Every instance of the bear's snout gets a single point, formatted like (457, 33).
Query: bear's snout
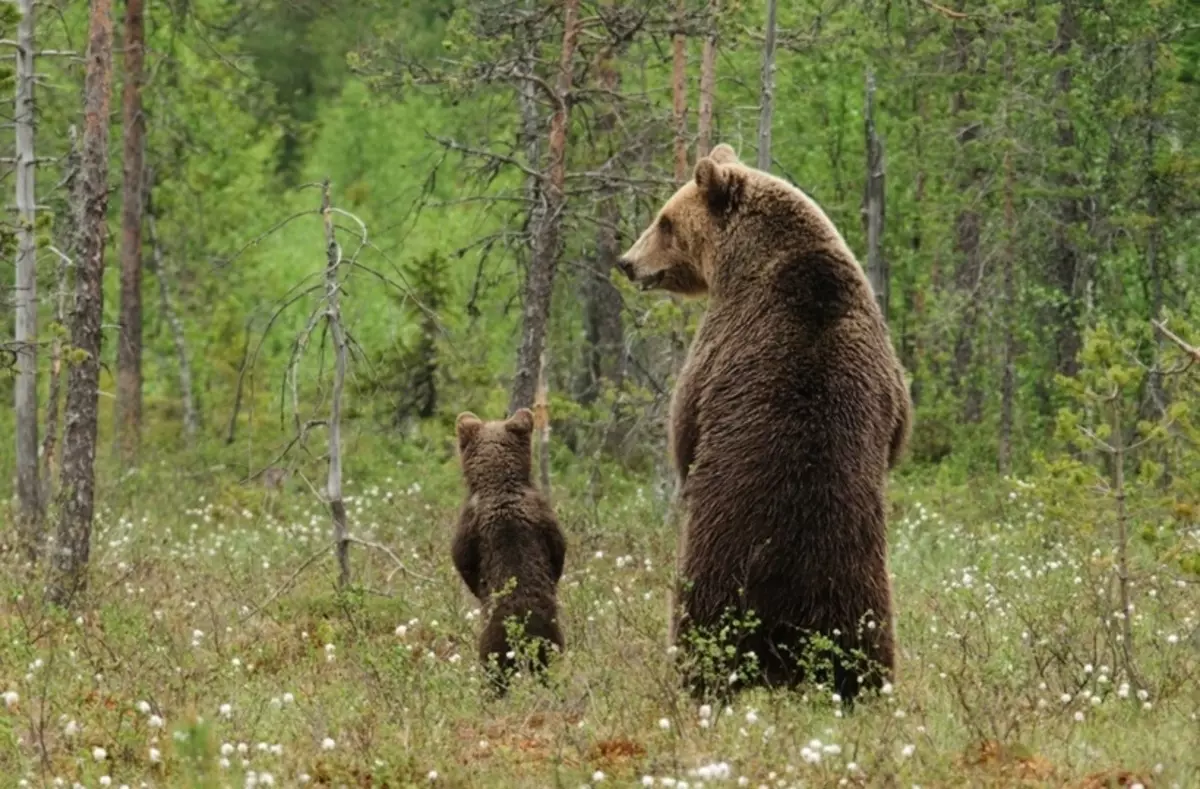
(626, 267)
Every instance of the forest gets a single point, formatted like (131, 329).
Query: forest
(259, 255)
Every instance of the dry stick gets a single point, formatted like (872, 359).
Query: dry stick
(333, 487)
(400, 566)
(1192, 351)
(287, 584)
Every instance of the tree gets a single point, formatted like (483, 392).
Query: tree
(708, 83)
(76, 498)
(874, 199)
(679, 91)
(129, 350)
(539, 285)
(29, 502)
(767, 102)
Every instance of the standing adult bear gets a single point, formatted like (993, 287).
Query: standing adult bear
(787, 415)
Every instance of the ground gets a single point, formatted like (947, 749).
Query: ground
(214, 653)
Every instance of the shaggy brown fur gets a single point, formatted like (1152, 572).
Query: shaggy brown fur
(508, 549)
(787, 415)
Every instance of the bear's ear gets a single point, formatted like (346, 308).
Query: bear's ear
(467, 425)
(521, 422)
(719, 185)
(724, 154)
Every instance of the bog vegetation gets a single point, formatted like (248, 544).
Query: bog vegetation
(262, 254)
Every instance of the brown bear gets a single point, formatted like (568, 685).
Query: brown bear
(509, 548)
(785, 419)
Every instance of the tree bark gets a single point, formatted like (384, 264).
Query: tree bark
(708, 83)
(679, 92)
(29, 501)
(539, 285)
(129, 349)
(1154, 272)
(191, 417)
(73, 539)
(333, 314)
(874, 205)
(767, 101)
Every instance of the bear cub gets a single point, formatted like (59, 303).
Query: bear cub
(509, 548)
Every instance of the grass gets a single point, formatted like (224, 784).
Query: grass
(213, 650)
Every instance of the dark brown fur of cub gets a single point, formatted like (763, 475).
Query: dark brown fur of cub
(786, 417)
(509, 548)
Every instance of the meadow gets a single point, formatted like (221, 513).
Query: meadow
(214, 649)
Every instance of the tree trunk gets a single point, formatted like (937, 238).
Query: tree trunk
(1067, 267)
(73, 540)
(29, 500)
(1154, 272)
(129, 349)
(333, 484)
(1008, 380)
(708, 83)
(874, 204)
(679, 92)
(968, 228)
(767, 102)
(191, 417)
(539, 285)
(603, 332)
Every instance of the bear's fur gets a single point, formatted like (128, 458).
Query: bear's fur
(786, 417)
(509, 548)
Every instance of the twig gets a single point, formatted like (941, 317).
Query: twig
(949, 13)
(286, 584)
(400, 566)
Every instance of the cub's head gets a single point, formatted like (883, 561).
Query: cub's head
(498, 453)
(676, 252)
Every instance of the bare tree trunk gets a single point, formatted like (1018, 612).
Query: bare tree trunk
(767, 102)
(129, 350)
(73, 540)
(191, 418)
(679, 92)
(1154, 272)
(539, 285)
(231, 431)
(333, 485)
(708, 83)
(874, 205)
(29, 502)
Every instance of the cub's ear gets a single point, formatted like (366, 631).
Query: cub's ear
(719, 185)
(467, 426)
(521, 422)
(724, 154)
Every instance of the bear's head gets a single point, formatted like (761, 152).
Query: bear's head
(498, 453)
(676, 252)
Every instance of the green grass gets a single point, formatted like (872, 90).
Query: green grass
(1010, 669)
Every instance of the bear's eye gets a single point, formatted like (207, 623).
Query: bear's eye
(665, 225)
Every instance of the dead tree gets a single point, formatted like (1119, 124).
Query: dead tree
(129, 349)
(767, 101)
(708, 83)
(333, 315)
(29, 502)
(73, 539)
(539, 284)
(874, 204)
